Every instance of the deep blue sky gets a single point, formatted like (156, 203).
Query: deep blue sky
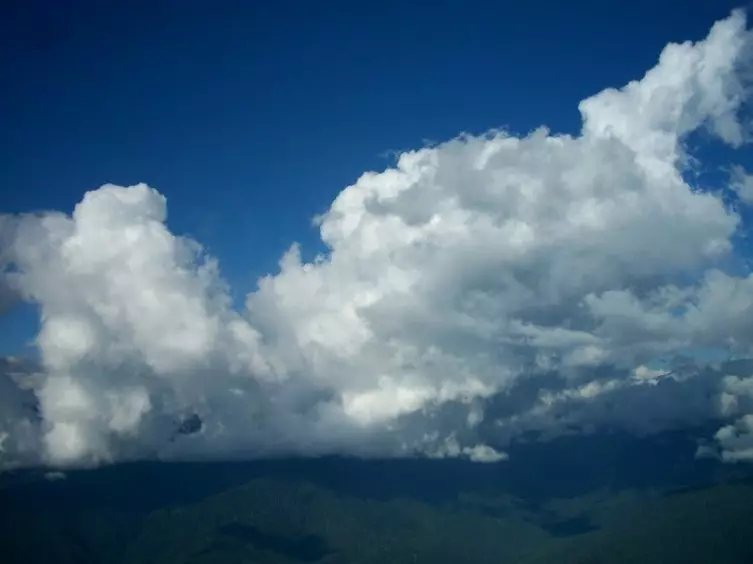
(251, 116)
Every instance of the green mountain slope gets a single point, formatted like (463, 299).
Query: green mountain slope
(239, 524)
(711, 525)
(343, 512)
(278, 522)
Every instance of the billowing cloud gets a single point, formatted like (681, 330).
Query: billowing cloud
(480, 288)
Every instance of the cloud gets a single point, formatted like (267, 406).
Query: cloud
(480, 288)
(19, 419)
(742, 183)
(450, 448)
(9, 295)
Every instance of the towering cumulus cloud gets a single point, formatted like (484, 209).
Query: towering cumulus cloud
(482, 287)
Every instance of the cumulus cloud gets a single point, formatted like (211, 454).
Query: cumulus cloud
(742, 183)
(19, 417)
(480, 288)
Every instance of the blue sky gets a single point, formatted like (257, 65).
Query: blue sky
(474, 269)
(250, 117)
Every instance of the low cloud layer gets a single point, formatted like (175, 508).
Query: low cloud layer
(481, 288)
(9, 295)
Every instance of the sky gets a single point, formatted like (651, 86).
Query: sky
(382, 231)
(274, 107)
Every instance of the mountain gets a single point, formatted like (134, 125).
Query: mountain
(610, 498)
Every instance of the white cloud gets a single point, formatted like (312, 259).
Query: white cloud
(484, 453)
(451, 448)
(468, 272)
(736, 439)
(742, 183)
(19, 423)
(736, 402)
